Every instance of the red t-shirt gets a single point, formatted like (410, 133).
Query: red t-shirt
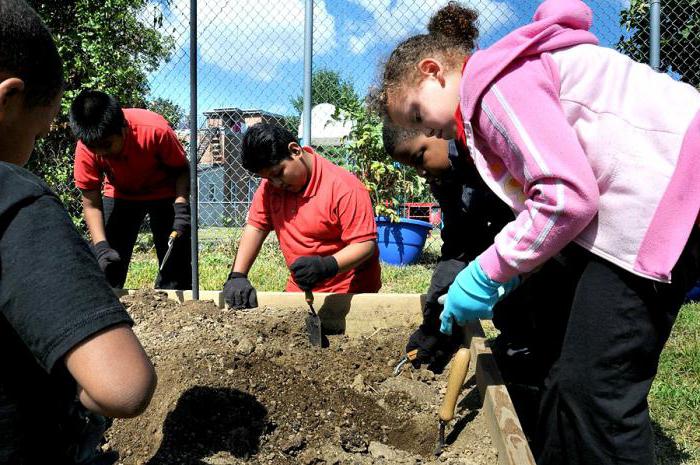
(146, 169)
(461, 136)
(334, 210)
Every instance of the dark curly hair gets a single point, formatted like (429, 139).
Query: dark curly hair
(452, 33)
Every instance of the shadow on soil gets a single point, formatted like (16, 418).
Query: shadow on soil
(208, 420)
(667, 451)
(468, 408)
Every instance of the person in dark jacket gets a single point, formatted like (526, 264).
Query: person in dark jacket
(471, 216)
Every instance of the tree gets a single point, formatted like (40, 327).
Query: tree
(680, 36)
(105, 44)
(169, 110)
(328, 87)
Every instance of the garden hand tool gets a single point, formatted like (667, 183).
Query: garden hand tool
(313, 322)
(458, 371)
(171, 243)
(408, 357)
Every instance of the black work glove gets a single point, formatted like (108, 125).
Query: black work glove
(308, 271)
(434, 348)
(181, 223)
(239, 292)
(106, 255)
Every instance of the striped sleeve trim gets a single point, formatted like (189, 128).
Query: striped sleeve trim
(511, 253)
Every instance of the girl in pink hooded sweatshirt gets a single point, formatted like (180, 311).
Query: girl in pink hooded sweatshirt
(599, 157)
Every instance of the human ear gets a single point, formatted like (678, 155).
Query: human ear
(429, 67)
(10, 95)
(294, 149)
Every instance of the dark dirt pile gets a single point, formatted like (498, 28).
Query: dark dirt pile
(246, 387)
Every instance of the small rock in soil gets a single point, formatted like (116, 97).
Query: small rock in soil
(351, 441)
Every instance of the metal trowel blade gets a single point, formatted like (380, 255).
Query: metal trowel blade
(313, 329)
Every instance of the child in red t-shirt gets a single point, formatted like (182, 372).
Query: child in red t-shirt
(321, 213)
(129, 163)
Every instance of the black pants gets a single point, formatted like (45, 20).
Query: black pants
(123, 219)
(594, 408)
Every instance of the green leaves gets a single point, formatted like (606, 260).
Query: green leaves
(328, 87)
(680, 36)
(388, 183)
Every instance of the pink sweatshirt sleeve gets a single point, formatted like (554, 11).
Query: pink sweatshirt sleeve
(522, 122)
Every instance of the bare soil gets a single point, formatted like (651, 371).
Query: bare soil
(240, 387)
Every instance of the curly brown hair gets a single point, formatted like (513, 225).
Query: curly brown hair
(452, 32)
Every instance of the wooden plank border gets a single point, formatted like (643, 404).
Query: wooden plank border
(504, 425)
(359, 314)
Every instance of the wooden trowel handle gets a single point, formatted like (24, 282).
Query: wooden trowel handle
(309, 297)
(458, 371)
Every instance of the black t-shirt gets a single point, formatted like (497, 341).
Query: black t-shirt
(52, 296)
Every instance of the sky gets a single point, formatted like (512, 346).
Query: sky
(250, 52)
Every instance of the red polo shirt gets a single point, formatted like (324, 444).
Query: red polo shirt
(334, 210)
(146, 169)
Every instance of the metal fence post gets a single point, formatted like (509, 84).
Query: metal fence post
(308, 65)
(194, 197)
(655, 34)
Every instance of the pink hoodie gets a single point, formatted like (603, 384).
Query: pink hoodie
(584, 144)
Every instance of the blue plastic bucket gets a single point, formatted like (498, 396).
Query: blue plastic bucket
(401, 243)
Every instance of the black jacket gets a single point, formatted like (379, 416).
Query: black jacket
(471, 215)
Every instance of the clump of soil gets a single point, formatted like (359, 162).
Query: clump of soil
(245, 386)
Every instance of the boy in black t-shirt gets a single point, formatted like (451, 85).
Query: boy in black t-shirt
(68, 353)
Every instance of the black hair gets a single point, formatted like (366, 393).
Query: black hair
(28, 52)
(94, 116)
(265, 145)
(393, 136)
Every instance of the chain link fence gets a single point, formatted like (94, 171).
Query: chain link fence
(250, 69)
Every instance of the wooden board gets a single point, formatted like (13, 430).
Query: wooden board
(370, 312)
(505, 428)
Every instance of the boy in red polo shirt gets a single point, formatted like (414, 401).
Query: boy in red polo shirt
(129, 163)
(321, 213)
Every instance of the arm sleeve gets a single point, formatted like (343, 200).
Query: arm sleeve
(87, 174)
(52, 292)
(171, 152)
(258, 215)
(529, 131)
(356, 216)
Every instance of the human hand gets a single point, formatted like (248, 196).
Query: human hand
(239, 292)
(432, 348)
(309, 271)
(106, 255)
(472, 296)
(181, 221)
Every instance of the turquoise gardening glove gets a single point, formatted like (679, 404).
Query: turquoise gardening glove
(472, 296)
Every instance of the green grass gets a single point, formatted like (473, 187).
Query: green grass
(269, 272)
(675, 395)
